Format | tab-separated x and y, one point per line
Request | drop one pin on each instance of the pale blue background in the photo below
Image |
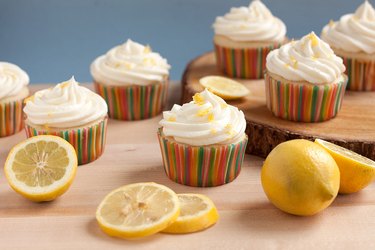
55	39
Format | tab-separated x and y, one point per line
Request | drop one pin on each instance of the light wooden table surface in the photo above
132	154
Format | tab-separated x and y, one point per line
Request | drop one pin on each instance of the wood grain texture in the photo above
247	219
353	128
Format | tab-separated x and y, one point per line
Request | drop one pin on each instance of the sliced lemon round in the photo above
356	171
137	210
226	88
41	168
198	212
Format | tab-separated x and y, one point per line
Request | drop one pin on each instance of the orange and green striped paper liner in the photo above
89	142
201	166
11	118
304	102
361	74
133	102
248	63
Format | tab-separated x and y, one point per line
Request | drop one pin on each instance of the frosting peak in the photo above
12	80
253	23
204	121
309	59
130	63
362	23
64	106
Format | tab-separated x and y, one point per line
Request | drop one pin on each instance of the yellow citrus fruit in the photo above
226	88
300	177
198	212
356	171
41	168
138	210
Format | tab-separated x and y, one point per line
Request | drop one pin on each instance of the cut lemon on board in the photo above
226	88
356	171
41	168
198	212
138	210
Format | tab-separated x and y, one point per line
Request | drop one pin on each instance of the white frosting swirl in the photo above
309	59
130	63
253	23
204	121
66	105
12	80
354	32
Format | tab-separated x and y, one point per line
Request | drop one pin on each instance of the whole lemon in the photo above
300	177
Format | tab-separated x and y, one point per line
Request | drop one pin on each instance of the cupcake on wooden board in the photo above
13	90
305	81
72	112
133	80
244	37
353	39
203	142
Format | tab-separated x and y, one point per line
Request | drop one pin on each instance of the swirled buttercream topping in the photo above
12	80
253	23
130	63
206	120
64	106
353	32
309	59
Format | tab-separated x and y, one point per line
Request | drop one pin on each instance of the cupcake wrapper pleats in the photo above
204	166
303	102
248	63
361	74
11	118
88	142
133	102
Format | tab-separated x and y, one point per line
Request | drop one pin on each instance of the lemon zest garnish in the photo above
295	65
171	119
211	117
331	23
224	105
147	49
313	39
198	99
213	131
204	112
30	98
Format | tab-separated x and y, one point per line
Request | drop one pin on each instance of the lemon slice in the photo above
137	210
198	212
356	171
41	168
226	88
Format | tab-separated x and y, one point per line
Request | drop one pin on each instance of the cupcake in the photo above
13	90
133	80
244	37
203	142
72	112
353	39
305	81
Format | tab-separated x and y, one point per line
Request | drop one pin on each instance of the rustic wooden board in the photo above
353	128
247	219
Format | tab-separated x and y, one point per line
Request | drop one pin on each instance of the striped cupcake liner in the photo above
133	102
304	102
205	166
248	63
361	74
89	142
11	118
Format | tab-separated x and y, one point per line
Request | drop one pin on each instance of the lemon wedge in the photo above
198	212
356	171
41	168
226	88
137	210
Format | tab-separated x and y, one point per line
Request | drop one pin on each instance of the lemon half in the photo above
41	168
356	171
